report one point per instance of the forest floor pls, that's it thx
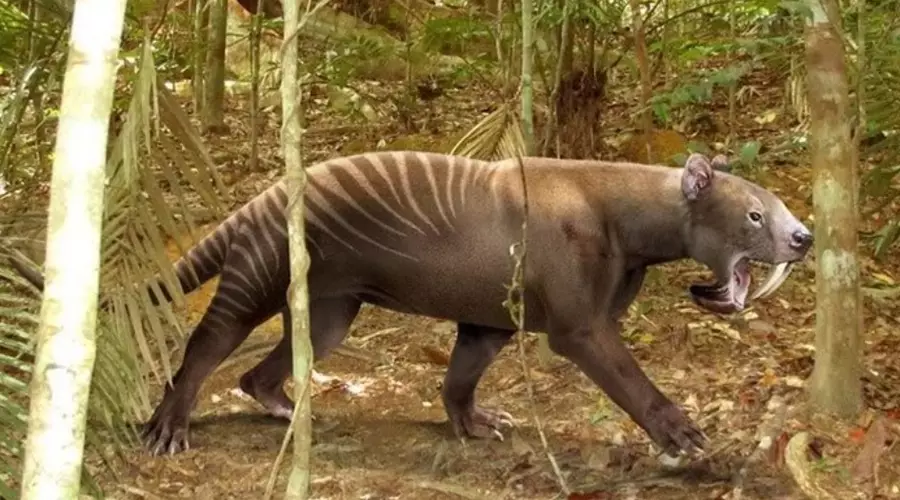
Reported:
(380, 431)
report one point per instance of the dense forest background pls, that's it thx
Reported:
(195, 133)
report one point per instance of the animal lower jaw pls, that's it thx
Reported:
(728, 297)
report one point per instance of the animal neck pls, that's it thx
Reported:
(654, 220)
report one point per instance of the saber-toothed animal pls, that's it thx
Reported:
(430, 234)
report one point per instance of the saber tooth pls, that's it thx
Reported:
(778, 275)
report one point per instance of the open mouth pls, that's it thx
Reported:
(729, 296)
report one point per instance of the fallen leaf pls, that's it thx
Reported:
(520, 447)
(597, 458)
(760, 326)
(883, 278)
(767, 117)
(794, 381)
(435, 355)
(776, 452)
(857, 435)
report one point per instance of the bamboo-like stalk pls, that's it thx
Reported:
(298, 292)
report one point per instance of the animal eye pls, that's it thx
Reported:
(755, 217)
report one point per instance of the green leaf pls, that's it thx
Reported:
(749, 152)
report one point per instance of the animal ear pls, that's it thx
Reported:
(720, 163)
(697, 176)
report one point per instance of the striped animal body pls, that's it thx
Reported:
(430, 234)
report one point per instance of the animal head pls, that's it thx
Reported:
(732, 221)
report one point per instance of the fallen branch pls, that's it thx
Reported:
(768, 432)
(798, 463)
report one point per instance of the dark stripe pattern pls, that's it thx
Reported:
(359, 204)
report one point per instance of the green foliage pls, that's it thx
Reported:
(697, 91)
(744, 161)
(355, 57)
(881, 140)
(464, 36)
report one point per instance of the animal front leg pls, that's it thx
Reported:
(603, 357)
(626, 292)
(210, 343)
(475, 349)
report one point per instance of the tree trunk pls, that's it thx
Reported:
(640, 51)
(835, 383)
(564, 56)
(214, 94)
(201, 43)
(66, 347)
(255, 40)
(527, 87)
(298, 294)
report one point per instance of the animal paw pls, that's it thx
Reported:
(673, 430)
(482, 423)
(165, 434)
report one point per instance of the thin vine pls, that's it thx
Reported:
(515, 304)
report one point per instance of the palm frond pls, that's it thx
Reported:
(140, 219)
(133, 336)
(497, 136)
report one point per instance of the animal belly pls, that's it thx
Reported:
(454, 290)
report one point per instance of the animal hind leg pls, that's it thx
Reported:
(475, 349)
(330, 321)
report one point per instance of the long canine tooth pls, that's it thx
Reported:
(776, 278)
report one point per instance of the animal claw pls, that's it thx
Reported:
(498, 434)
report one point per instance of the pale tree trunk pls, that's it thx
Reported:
(214, 93)
(835, 385)
(66, 347)
(298, 294)
(640, 51)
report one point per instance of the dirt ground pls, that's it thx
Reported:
(380, 431)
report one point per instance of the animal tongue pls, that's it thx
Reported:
(725, 298)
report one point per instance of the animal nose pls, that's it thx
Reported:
(801, 240)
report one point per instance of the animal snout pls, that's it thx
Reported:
(801, 240)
